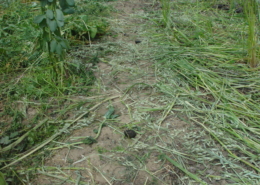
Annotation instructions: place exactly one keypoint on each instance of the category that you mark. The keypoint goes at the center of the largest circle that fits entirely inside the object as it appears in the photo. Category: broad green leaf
(60, 23)
(2, 179)
(114, 116)
(59, 49)
(63, 4)
(70, 2)
(57, 32)
(49, 14)
(53, 46)
(93, 32)
(52, 25)
(50, 1)
(5, 140)
(44, 2)
(43, 23)
(13, 134)
(64, 44)
(59, 15)
(110, 112)
(38, 19)
(58, 38)
(89, 140)
(69, 11)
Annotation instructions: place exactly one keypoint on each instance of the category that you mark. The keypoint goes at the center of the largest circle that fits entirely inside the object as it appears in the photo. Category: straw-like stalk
(250, 7)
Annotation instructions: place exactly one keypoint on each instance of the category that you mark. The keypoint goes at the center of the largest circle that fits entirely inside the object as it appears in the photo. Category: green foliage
(82, 27)
(2, 179)
(102, 150)
(89, 140)
(87, 26)
(110, 113)
(16, 27)
(38, 84)
(50, 21)
(35, 74)
(5, 140)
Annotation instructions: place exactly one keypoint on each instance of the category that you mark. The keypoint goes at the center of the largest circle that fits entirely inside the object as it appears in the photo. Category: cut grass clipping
(65, 127)
(204, 64)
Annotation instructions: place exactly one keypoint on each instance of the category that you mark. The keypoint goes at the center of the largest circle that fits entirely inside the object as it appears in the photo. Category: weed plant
(29, 92)
(16, 27)
(83, 28)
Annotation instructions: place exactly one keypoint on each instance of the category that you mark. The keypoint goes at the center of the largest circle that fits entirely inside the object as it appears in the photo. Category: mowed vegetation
(42, 66)
(206, 58)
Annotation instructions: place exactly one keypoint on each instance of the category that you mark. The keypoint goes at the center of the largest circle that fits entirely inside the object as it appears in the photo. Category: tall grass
(165, 11)
(251, 12)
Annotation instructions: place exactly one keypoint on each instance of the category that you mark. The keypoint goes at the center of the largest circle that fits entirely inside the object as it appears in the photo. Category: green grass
(29, 92)
(252, 16)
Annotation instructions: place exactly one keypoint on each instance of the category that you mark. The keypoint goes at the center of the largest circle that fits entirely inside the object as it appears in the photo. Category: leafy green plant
(51, 20)
(51, 40)
(86, 27)
(82, 27)
(38, 69)
(16, 27)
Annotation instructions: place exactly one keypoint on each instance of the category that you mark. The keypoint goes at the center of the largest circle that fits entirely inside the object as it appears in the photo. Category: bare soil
(115, 159)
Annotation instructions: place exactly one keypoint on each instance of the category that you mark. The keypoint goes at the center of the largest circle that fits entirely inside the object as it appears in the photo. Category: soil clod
(130, 133)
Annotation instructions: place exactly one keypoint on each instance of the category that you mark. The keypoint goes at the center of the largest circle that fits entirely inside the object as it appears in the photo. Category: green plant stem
(9, 147)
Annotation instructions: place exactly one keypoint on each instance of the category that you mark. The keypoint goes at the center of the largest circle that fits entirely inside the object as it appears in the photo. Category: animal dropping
(130, 133)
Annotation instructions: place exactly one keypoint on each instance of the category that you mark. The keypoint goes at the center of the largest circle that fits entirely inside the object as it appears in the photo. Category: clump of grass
(165, 12)
(251, 12)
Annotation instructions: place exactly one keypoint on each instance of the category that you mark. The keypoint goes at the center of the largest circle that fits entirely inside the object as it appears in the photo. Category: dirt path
(115, 159)
(126, 71)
